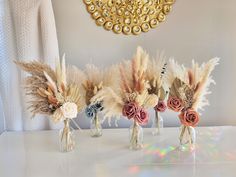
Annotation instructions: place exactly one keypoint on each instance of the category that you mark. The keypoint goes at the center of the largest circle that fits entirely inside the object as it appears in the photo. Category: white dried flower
(69, 110)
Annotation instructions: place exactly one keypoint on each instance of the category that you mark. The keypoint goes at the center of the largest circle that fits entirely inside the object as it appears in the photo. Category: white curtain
(27, 32)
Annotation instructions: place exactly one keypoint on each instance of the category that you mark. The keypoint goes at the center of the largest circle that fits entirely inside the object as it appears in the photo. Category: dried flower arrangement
(155, 77)
(131, 97)
(95, 80)
(188, 90)
(52, 94)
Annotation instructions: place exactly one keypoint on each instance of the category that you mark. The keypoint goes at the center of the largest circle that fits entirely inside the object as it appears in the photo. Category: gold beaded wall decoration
(129, 16)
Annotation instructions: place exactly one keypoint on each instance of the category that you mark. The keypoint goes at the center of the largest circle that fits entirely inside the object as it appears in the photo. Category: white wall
(2, 127)
(194, 29)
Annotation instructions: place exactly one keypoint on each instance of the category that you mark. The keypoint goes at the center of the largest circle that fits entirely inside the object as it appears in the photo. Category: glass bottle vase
(157, 124)
(95, 126)
(136, 136)
(187, 138)
(66, 137)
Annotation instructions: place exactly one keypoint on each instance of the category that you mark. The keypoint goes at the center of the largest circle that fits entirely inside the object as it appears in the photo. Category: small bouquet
(95, 80)
(130, 98)
(188, 88)
(154, 75)
(52, 94)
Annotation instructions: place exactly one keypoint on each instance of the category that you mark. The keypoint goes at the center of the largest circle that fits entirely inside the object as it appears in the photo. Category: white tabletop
(36, 154)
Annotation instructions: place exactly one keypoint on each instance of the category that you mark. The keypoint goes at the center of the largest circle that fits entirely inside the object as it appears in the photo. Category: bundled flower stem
(67, 137)
(188, 134)
(188, 88)
(135, 136)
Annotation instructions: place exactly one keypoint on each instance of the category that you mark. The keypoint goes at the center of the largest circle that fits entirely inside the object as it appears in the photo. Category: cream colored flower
(69, 110)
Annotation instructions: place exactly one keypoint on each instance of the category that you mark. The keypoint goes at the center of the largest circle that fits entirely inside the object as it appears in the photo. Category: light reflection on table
(35, 154)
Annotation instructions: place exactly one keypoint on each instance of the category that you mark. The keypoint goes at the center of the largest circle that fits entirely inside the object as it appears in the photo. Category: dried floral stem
(157, 122)
(96, 121)
(186, 130)
(66, 135)
(134, 136)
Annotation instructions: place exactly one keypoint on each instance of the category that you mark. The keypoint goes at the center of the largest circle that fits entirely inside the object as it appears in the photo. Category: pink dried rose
(189, 117)
(130, 109)
(160, 107)
(141, 117)
(175, 104)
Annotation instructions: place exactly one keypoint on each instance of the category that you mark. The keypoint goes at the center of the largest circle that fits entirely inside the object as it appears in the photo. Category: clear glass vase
(136, 136)
(157, 124)
(96, 127)
(66, 137)
(187, 138)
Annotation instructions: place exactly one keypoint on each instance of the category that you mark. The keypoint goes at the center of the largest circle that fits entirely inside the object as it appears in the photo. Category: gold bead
(161, 17)
(136, 30)
(117, 28)
(126, 30)
(108, 25)
(153, 23)
(145, 27)
(100, 21)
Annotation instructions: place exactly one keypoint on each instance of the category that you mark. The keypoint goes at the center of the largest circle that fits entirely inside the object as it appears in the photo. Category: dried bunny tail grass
(204, 81)
(112, 102)
(176, 71)
(36, 68)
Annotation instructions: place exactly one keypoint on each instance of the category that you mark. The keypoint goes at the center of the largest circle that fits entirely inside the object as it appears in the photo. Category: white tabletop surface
(36, 154)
